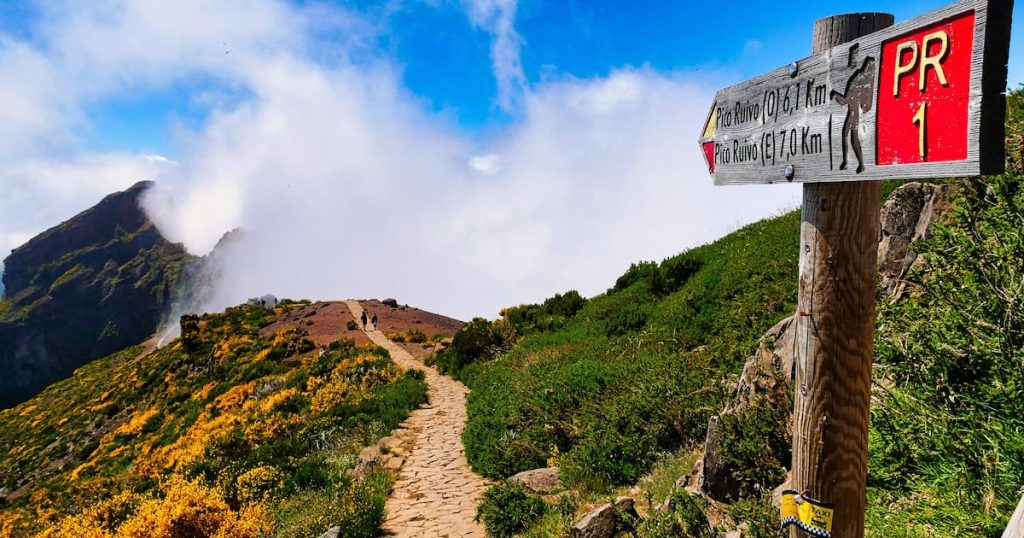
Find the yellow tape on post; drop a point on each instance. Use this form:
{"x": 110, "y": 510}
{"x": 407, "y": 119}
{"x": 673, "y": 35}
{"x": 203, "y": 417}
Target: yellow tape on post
{"x": 809, "y": 515}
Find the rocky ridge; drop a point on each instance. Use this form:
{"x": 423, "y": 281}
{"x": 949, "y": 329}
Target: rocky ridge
{"x": 97, "y": 283}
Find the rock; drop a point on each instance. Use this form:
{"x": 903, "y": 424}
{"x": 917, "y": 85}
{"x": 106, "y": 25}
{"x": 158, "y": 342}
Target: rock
{"x": 333, "y": 532}
{"x": 907, "y": 216}
{"x": 539, "y": 481}
{"x": 390, "y": 302}
{"x": 369, "y": 458}
{"x": 601, "y": 522}
{"x": 777, "y": 492}
{"x": 626, "y": 507}
{"x": 766, "y": 375}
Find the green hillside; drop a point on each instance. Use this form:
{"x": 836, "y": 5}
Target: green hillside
{"x": 221, "y": 433}
{"x": 636, "y": 371}
{"x": 623, "y": 385}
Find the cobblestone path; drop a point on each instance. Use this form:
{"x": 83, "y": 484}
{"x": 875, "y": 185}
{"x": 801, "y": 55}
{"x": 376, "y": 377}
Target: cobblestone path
{"x": 436, "y": 492}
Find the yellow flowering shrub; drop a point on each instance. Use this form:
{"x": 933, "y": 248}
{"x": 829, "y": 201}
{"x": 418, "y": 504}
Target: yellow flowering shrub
{"x": 381, "y": 376}
{"x": 137, "y": 422}
{"x": 346, "y": 366}
{"x": 259, "y": 484}
{"x": 235, "y": 396}
{"x": 96, "y": 521}
{"x": 314, "y": 383}
{"x": 190, "y": 509}
{"x": 188, "y": 447}
{"x": 331, "y": 395}
{"x": 204, "y": 392}
{"x": 278, "y": 399}
{"x": 9, "y": 524}
{"x": 260, "y": 431}
{"x": 265, "y": 400}
{"x": 233, "y": 344}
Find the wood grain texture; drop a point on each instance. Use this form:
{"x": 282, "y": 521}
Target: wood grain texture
{"x": 1015, "y": 528}
{"x": 835, "y": 327}
{"x": 831, "y": 66}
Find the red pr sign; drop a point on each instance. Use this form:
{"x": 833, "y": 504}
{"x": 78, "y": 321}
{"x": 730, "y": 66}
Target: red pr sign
{"x": 924, "y": 93}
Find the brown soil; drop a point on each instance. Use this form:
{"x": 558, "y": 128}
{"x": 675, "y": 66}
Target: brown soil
{"x": 327, "y": 321}
{"x": 405, "y": 317}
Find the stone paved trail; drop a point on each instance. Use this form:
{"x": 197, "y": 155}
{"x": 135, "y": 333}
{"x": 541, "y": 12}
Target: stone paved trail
{"x": 436, "y": 493}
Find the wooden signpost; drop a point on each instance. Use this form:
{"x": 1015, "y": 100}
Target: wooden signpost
{"x": 921, "y": 99}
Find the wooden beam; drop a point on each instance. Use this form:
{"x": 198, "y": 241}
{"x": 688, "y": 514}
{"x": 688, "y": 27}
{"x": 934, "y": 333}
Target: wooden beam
{"x": 835, "y": 326}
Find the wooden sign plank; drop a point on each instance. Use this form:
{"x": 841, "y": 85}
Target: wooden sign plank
{"x": 921, "y": 99}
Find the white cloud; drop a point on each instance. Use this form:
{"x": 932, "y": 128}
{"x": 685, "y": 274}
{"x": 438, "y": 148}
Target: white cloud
{"x": 497, "y": 17}
{"x": 488, "y": 165}
{"x": 347, "y": 186}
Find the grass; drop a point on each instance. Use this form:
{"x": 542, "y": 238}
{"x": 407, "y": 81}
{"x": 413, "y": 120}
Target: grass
{"x": 636, "y": 372}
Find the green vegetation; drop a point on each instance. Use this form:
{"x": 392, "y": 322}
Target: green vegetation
{"x": 947, "y": 438}
{"x": 685, "y": 517}
{"x": 758, "y": 447}
{"x": 259, "y": 431}
{"x": 631, "y": 374}
{"x": 506, "y": 510}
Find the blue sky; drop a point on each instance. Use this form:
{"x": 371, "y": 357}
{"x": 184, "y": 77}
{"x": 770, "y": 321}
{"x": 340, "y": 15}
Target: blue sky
{"x": 446, "y": 62}
{"x": 463, "y": 155}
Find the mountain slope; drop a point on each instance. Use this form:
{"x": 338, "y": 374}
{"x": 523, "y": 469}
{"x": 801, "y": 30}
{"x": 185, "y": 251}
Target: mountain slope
{"x": 86, "y": 288}
{"x": 228, "y": 431}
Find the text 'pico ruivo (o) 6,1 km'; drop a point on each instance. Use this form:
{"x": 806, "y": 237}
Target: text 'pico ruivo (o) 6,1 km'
{"x": 921, "y": 99}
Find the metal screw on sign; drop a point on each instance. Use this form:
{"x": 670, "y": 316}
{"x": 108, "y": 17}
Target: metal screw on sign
{"x": 794, "y": 68}
{"x": 790, "y": 172}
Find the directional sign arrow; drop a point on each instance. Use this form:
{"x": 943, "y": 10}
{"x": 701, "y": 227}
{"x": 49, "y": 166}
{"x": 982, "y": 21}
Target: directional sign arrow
{"x": 922, "y": 99}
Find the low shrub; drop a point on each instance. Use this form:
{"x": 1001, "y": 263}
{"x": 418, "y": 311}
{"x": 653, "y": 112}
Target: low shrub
{"x": 415, "y": 336}
{"x": 685, "y": 517}
{"x": 761, "y": 517}
{"x": 757, "y": 447}
{"x": 506, "y": 510}
{"x": 352, "y": 325}
{"x": 360, "y": 510}
{"x": 479, "y": 340}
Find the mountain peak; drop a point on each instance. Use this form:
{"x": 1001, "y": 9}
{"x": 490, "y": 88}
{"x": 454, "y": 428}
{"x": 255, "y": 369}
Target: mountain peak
{"x": 89, "y": 286}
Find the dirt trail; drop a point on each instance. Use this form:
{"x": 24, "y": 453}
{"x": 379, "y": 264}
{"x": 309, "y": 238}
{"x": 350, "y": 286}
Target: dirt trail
{"x": 436, "y": 493}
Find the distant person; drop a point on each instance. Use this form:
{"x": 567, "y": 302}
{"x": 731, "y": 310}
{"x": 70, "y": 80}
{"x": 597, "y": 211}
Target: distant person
{"x": 362, "y": 318}
{"x": 373, "y": 320}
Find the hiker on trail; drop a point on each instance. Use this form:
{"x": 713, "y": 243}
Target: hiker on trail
{"x": 362, "y": 318}
{"x": 373, "y": 320}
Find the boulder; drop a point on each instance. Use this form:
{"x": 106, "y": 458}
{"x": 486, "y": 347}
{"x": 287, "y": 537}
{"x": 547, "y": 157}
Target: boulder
{"x": 908, "y": 215}
{"x": 390, "y": 302}
{"x": 602, "y": 522}
{"x": 539, "y": 481}
{"x": 766, "y": 375}
{"x": 333, "y": 532}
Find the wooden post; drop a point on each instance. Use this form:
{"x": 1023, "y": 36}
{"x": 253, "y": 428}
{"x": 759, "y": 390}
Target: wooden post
{"x": 836, "y": 324}
{"x": 1015, "y": 528}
